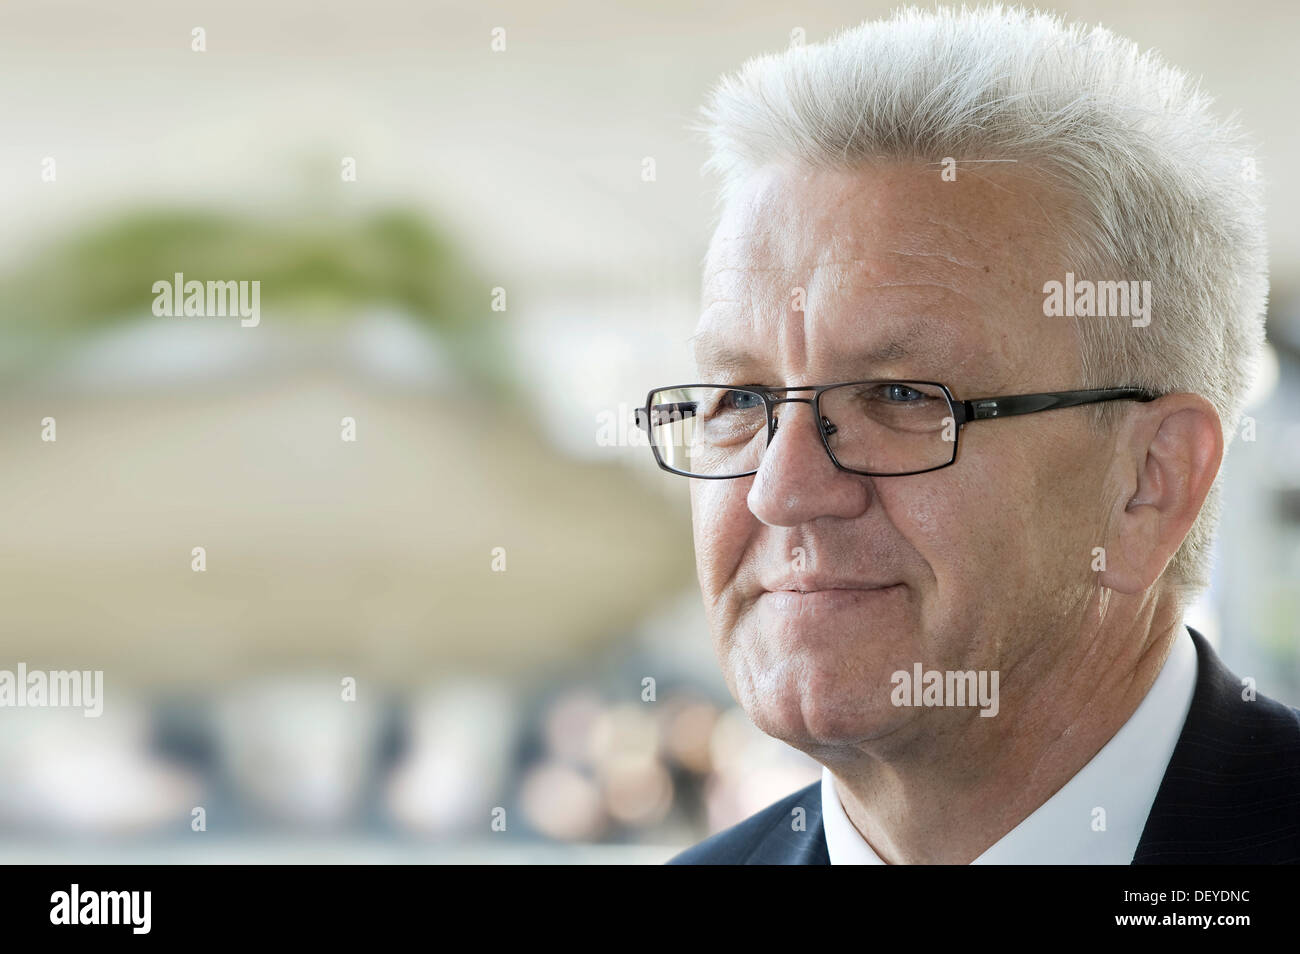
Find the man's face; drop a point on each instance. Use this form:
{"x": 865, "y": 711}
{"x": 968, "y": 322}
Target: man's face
{"x": 981, "y": 565}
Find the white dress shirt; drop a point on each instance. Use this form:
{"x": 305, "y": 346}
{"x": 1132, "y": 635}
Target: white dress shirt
{"x": 1122, "y": 779}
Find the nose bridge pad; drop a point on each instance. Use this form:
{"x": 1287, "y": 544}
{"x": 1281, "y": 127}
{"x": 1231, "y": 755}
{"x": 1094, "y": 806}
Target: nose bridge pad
{"x": 827, "y": 427}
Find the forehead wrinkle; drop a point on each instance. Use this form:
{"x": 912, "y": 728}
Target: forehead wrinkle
{"x": 740, "y": 255}
{"x": 717, "y": 270}
{"x": 909, "y": 312}
{"x": 712, "y": 352}
{"x": 941, "y": 256}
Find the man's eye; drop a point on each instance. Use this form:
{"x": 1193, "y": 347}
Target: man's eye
{"x": 901, "y": 393}
{"x": 741, "y": 401}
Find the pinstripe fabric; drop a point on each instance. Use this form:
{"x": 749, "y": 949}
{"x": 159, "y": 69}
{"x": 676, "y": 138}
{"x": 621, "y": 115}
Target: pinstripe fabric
{"x": 1230, "y": 795}
{"x": 768, "y": 837}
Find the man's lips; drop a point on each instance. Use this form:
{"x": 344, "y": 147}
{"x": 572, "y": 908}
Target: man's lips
{"x": 811, "y": 583}
{"x": 796, "y": 601}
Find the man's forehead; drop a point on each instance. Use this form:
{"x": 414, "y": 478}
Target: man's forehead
{"x": 724, "y": 354}
{"x": 805, "y": 220}
{"x": 852, "y": 312}
{"x": 867, "y": 270}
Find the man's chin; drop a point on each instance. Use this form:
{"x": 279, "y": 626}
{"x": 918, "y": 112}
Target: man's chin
{"x": 808, "y": 720}
{"x": 814, "y": 690}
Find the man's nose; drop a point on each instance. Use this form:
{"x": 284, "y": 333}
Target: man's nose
{"x": 797, "y": 481}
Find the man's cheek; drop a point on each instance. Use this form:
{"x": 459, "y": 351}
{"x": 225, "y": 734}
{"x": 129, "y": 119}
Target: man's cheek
{"x": 959, "y": 535}
{"x": 721, "y": 525}
{"x": 934, "y": 523}
{"x": 922, "y": 520}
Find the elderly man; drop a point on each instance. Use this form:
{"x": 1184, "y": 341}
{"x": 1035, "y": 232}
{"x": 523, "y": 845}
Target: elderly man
{"x": 978, "y": 320}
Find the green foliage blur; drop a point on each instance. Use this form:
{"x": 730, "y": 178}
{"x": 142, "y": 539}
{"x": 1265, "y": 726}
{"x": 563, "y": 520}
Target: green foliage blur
{"x": 322, "y": 269}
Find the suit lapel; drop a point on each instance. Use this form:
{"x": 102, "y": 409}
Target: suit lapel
{"x": 782, "y": 845}
{"x": 1228, "y": 794}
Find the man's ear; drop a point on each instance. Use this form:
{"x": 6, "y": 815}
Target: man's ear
{"x": 1170, "y": 450}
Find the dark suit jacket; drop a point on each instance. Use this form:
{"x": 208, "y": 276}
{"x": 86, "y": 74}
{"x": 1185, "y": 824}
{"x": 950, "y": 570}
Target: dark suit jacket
{"x": 1230, "y": 795}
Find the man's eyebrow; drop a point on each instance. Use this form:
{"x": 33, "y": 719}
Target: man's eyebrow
{"x": 713, "y": 354}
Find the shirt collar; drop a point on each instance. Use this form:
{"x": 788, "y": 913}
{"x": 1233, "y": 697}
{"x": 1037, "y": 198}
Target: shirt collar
{"x": 1097, "y": 817}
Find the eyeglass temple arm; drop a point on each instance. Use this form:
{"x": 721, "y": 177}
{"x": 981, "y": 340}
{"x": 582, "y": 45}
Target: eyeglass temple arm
{"x": 977, "y": 409}
{"x": 664, "y": 413}
{"x": 980, "y": 409}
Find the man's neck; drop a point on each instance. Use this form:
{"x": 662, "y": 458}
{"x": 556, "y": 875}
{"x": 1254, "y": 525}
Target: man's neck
{"x": 958, "y": 786}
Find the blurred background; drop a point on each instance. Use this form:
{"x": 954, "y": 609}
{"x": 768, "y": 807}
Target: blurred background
{"x": 482, "y": 258}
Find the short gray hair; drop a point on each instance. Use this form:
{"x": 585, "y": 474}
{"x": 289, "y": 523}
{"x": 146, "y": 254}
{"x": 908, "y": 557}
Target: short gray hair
{"x": 1165, "y": 191}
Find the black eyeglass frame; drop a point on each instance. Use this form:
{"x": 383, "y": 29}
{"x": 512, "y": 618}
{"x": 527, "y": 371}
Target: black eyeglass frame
{"x": 962, "y": 412}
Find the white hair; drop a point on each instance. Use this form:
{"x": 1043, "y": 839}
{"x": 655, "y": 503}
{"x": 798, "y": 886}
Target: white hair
{"x": 1164, "y": 191}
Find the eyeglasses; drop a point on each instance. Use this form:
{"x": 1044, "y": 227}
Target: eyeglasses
{"x": 879, "y": 428}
